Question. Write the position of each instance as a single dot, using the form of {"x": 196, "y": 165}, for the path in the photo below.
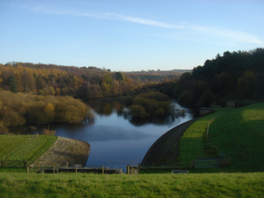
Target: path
{"x": 166, "y": 149}
{"x": 65, "y": 150}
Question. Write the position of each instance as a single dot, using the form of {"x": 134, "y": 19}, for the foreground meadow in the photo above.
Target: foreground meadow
{"x": 143, "y": 185}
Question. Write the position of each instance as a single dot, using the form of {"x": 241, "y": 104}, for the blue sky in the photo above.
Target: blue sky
{"x": 128, "y": 35}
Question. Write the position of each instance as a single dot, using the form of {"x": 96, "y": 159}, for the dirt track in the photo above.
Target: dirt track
{"x": 166, "y": 149}
{"x": 65, "y": 150}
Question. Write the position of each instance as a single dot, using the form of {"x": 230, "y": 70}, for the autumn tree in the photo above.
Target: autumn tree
{"x": 49, "y": 111}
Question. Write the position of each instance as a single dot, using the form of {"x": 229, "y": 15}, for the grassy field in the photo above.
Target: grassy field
{"x": 237, "y": 132}
{"x": 153, "y": 185}
{"x": 23, "y": 147}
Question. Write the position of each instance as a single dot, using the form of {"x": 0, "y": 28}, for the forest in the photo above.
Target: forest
{"x": 237, "y": 76}
{"x": 40, "y": 93}
{"x": 85, "y": 82}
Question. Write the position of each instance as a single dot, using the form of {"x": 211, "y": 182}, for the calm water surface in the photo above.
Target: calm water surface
{"x": 115, "y": 140}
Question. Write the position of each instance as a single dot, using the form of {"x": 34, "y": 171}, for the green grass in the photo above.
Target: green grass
{"x": 193, "y": 142}
{"x": 240, "y": 133}
{"x": 237, "y": 132}
{"x": 145, "y": 185}
{"x": 24, "y": 147}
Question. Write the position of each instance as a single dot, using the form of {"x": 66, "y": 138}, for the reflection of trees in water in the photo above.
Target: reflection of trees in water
{"x": 106, "y": 108}
{"x": 165, "y": 120}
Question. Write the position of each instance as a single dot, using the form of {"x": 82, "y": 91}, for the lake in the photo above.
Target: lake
{"x": 115, "y": 139}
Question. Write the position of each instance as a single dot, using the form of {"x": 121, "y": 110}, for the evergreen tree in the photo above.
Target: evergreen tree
{"x": 12, "y": 84}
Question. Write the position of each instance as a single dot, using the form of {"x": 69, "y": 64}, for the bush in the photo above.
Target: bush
{"x": 48, "y": 132}
{"x": 138, "y": 111}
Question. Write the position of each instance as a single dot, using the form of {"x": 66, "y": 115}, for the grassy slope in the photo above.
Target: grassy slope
{"x": 193, "y": 142}
{"x": 238, "y": 132}
{"x": 154, "y": 185}
{"x": 23, "y": 147}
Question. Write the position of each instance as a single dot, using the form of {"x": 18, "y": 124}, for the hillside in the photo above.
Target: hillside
{"x": 236, "y": 132}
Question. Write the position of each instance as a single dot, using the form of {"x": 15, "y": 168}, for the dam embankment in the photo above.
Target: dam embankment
{"x": 166, "y": 148}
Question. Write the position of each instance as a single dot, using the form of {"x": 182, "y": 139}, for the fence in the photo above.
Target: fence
{"x": 14, "y": 163}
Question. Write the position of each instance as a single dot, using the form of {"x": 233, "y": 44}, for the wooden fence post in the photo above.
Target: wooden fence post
{"x": 138, "y": 168}
{"x": 27, "y": 169}
{"x": 128, "y": 170}
{"x": 102, "y": 170}
{"x": 67, "y": 164}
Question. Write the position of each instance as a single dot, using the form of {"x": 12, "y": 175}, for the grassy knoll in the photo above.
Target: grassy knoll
{"x": 237, "y": 132}
{"x": 24, "y": 147}
{"x": 153, "y": 185}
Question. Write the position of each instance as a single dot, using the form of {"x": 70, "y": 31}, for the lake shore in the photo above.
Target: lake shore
{"x": 165, "y": 150}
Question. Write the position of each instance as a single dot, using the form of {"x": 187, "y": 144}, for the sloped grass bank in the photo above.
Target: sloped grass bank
{"x": 193, "y": 144}
{"x": 240, "y": 133}
{"x": 237, "y": 132}
{"x": 24, "y": 147}
{"x": 154, "y": 185}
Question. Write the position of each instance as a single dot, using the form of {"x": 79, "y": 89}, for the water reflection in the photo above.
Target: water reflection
{"x": 116, "y": 140}
{"x": 106, "y": 108}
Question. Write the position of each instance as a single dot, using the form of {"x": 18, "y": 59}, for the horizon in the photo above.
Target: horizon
{"x": 127, "y": 36}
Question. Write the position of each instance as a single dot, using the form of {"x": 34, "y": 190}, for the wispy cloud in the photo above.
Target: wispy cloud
{"x": 237, "y": 36}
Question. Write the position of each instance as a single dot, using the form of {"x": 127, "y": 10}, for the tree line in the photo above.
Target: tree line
{"x": 20, "y": 109}
{"x": 85, "y": 82}
{"x": 232, "y": 76}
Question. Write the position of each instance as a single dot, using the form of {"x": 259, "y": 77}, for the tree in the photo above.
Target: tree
{"x": 12, "y": 84}
{"x": 247, "y": 85}
{"x": 49, "y": 111}
{"x": 28, "y": 81}
{"x": 120, "y": 76}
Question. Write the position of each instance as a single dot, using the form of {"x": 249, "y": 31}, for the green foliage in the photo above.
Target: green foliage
{"x": 151, "y": 104}
{"x": 233, "y": 76}
{"x": 120, "y": 76}
{"x": 248, "y": 84}
{"x": 12, "y": 84}
{"x": 138, "y": 111}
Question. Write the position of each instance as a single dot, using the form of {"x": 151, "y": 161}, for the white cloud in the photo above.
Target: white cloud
{"x": 232, "y": 35}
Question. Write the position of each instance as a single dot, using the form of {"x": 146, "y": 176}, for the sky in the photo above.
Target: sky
{"x": 128, "y": 35}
